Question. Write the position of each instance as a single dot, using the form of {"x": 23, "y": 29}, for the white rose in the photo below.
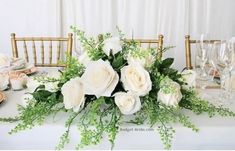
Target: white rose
{"x": 73, "y": 93}
{"x": 112, "y": 45}
{"x": 4, "y": 61}
{"x": 99, "y": 79}
{"x": 136, "y": 79}
{"x": 127, "y": 102}
{"x": 4, "y": 81}
{"x": 189, "y": 76}
{"x": 169, "y": 93}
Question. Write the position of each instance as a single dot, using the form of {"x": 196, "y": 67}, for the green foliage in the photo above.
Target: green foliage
{"x": 45, "y": 79}
{"x": 194, "y": 103}
{"x": 167, "y": 63}
{"x": 98, "y": 118}
{"x": 9, "y": 119}
{"x": 160, "y": 115}
{"x": 72, "y": 70}
{"x": 64, "y": 139}
{"x": 92, "y": 46}
{"x": 166, "y": 133}
{"x": 43, "y": 104}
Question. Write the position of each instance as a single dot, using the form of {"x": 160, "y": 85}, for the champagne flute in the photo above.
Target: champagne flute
{"x": 203, "y": 48}
{"x": 223, "y": 59}
{"x": 231, "y": 47}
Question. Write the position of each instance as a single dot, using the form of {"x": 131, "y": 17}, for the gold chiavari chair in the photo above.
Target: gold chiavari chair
{"x": 188, "y": 43}
{"x": 59, "y": 40}
{"x": 149, "y": 42}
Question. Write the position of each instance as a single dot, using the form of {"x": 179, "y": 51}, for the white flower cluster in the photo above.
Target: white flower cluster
{"x": 100, "y": 79}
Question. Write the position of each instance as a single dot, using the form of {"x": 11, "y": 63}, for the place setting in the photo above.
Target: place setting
{"x": 14, "y": 74}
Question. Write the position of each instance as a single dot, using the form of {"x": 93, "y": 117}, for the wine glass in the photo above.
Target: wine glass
{"x": 231, "y": 47}
{"x": 203, "y": 47}
{"x": 222, "y": 58}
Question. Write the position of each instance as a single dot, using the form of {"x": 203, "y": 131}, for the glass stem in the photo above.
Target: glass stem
{"x": 225, "y": 81}
{"x": 203, "y": 71}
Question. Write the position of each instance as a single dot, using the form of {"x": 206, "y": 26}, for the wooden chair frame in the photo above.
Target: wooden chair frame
{"x": 68, "y": 40}
{"x": 188, "y": 43}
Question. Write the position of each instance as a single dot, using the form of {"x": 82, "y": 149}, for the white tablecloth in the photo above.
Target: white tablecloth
{"x": 215, "y": 133}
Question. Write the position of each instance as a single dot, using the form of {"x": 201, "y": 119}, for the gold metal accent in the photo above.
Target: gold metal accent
{"x": 158, "y": 41}
{"x": 34, "y": 53}
{"x": 14, "y": 45}
{"x": 58, "y": 52}
{"x": 42, "y": 51}
{"x": 188, "y": 52}
{"x": 70, "y": 44}
{"x": 160, "y": 46}
{"x": 68, "y": 40}
{"x": 26, "y": 52}
{"x": 50, "y": 52}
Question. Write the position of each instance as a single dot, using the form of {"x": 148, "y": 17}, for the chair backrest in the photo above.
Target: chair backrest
{"x": 58, "y": 40}
{"x": 150, "y": 42}
{"x": 188, "y": 43}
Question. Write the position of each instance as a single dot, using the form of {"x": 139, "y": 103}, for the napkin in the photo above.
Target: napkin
{"x": 4, "y": 61}
{"x": 18, "y": 63}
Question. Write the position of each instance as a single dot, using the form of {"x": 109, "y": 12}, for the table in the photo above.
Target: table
{"x": 215, "y": 133}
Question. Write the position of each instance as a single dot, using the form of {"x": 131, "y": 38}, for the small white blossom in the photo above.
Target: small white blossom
{"x": 112, "y": 45}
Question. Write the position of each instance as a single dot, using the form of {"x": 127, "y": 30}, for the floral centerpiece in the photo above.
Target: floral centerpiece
{"x": 115, "y": 81}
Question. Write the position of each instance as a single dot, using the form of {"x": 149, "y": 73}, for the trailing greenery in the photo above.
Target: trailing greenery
{"x": 9, "y": 119}
{"x": 43, "y": 104}
{"x": 97, "y": 119}
{"x": 101, "y": 115}
{"x": 194, "y": 103}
